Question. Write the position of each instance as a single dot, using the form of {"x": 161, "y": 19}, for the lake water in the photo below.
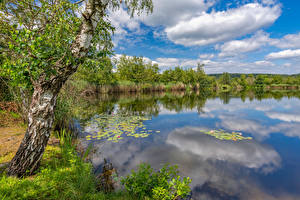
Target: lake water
{"x": 266, "y": 167}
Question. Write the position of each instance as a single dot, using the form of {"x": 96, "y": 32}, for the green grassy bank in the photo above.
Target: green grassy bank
{"x": 62, "y": 175}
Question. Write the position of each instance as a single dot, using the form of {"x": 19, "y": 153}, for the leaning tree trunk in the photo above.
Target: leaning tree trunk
{"x": 40, "y": 120}
{"x": 41, "y": 111}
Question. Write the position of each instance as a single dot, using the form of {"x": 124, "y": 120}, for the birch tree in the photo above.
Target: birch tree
{"x": 42, "y": 44}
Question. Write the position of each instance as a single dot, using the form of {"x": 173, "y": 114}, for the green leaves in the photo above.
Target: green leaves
{"x": 39, "y": 37}
{"x": 164, "y": 184}
{"x": 136, "y": 70}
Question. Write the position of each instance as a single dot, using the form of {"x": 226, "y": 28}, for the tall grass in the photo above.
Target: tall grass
{"x": 62, "y": 175}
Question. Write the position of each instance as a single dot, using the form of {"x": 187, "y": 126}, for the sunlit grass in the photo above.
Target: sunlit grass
{"x": 62, "y": 175}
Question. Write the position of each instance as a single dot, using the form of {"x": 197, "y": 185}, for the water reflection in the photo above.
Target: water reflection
{"x": 250, "y": 154}
{"x": 267, "y": 167}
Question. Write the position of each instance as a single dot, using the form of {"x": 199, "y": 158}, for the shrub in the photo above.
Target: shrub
{"x": 164, "y": 184}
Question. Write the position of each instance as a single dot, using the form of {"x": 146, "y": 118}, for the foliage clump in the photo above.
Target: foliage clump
{"x": 165, "y": 184}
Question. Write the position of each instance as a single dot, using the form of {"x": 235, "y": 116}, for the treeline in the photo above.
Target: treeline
{"x": 133, "y": 74}
{"x": 138, "y": 71}
{"x": 258, "y": 82}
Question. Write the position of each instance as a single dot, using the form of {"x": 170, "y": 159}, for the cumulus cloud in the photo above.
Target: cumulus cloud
{"x": 231, "y": 66}
{"x": 206, "y": 56}
{"x": 124, "y": 24}
{"x": 210, "y": 28}
{"x": 120, "y": 19}
{"x": 170, "y": 12}
{"x": 268, "y": 2}
{"x": 258, "y": 40}
{"x": 285, "y": 54}
{"x": 264, "y": 63}
{"x": 188, "y": 22}
{"x": 237, "y": 47}
{"x": 168, "y": 62}
{"x": 291, "y": 41}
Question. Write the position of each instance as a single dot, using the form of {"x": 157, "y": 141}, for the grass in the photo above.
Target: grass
{"x": 62, "y": 175}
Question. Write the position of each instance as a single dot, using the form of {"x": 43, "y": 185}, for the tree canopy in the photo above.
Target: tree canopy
{"x": 38, "y": 37}
{"x": 42, "y": 43}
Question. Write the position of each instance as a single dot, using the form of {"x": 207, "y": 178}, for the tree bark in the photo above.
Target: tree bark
{"x": 41, "y": 111}
{"x": 40, "y": 120}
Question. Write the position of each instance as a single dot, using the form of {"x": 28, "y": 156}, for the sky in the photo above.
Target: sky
{"x": 236, "y": 36}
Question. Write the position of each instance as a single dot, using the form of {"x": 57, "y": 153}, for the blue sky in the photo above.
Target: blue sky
{"x": 238, "y": 36}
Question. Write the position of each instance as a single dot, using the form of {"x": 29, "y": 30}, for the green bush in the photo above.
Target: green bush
{"x": 164, "y": 184}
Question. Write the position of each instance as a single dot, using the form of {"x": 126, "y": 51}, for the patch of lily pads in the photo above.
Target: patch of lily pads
{"x": 116, "y": 127}
{"x": 223, "y": 135}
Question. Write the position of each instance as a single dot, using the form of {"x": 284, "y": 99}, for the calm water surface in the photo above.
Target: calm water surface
{"x": 267, "y": 167}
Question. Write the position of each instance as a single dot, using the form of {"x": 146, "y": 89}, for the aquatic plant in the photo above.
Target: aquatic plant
{"x": 223, "y": 135}
{"x": 115, "y": 127}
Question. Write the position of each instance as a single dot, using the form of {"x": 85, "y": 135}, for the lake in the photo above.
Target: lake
{"x": 172, "y": 131}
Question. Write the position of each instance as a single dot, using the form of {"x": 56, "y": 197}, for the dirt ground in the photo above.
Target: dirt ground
{"x": 10, "y": 139}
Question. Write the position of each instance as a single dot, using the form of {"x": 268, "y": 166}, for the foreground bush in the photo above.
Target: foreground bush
{"x": 165, "y": 184}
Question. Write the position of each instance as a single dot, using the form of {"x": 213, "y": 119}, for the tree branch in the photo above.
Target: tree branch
{"x": 78, "y": 2}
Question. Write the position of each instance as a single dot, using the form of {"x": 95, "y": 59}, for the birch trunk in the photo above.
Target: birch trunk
{"x": 40, "y": 120}
{"x": 41, "y": 111}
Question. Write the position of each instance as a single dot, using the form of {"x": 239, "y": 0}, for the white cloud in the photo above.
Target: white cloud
{"x": 231, "y": 66}
{"x": 287, "y": 64}
{"x": 288, "y": 41}
{"x": 170, "y": 12}
{"x": 121, "y": 19}
{"x": 206, "y": 56}
{"x": 209, "y": 28}
{"x": 264, "y": 63}
{"x": 258, "y": 40}
{"x": 123, "y": 24}
{"x": 237, "y": 47}
{"x": 268, "y": 2}
{"x": 286, "y": 54}
{"x": 168, "y": 62}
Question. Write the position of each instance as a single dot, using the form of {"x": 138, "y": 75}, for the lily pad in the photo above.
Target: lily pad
{"x": 223, "y": 135}
{"x": 114, "y": 127}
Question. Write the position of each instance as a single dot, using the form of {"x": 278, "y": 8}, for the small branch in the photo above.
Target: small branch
{"x": 78, "y": 2}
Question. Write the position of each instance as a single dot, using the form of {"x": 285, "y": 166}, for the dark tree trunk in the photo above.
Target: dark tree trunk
{"x": 40, "y": 120}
